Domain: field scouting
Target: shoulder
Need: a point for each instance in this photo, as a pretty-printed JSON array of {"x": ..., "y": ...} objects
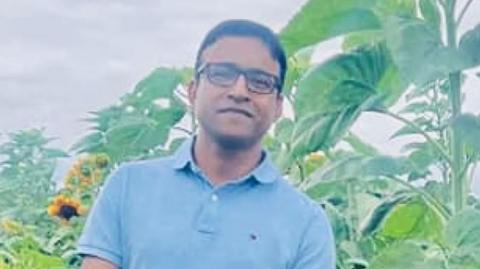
[
  {"x": 145, "y": 168},
  {"x": 148, "y": 165},
  {"x": 135, "y": 173}
]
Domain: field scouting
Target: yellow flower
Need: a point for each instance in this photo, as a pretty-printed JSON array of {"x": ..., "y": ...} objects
[
  {"x": 86, "y": 172},
  {"x": 102, "y": 160},
  {"x": 316, "y": 157},
  {"x": 65, "y": 207}
]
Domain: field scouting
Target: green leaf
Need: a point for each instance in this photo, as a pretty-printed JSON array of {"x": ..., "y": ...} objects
[
  {"x": 416, "y": 107},
  {"x": 470, "y": 46},
  {"x": 385, "y": 9},
  {"x": 91, "y": 143},
  {"x": 321, "y": 131},
  {"x": 135, "y": 135},
  {"x": 379, "y": 213},
  {"x": 319, "y": 20},
  {"x": 422, "y": 122},
  {"x": 360, "y": 146},
  {"x": 159, "y": 84},
  {"x": 468, "y": 127},
  {"x": 408, "y": 254},
  {"x": 297, "y": 66},
  {"x": 421, "y": 159},
  {"x": 283, "y": 130},
  {"x": 328, "y": 188},
  {"x": 418, "y": 51},
  {"x": 360, "y": 167},
  {"x": 104, "y": 118},
  {"x": 348, "y": 80},
  {"x": 414, "y": 219},
  {"x": 462, "y": 236},
  {"x": 359, "y": 39},
  {"x": 430, "y": 12}
]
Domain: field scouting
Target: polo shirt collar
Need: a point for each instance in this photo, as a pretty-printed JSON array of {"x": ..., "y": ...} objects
[{"x": 266, "y": 172}]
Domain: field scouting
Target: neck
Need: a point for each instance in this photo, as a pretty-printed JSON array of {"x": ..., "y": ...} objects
[{"x": 222, "y": 164}]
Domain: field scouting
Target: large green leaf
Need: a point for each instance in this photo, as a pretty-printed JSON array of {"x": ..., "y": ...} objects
[
  {"x": 136, "y": 125},
  {"x": 135, "y": 135},
  {"x": 159, "y": 84},
  {"x": 414, "y": 219},
  {"x": 104, "y": 118},
  {"x": 358, "y": 166},
  {"x": 418, "y": 51},
  {"x": 462, "y": 236},
  {"x": 321, "y": 131},
  {"x": 349, "y": 80},
  {"x": 93, "y": 142},
  {"x": 319, "y": 20},
  {"x": 360, "y": 146}
]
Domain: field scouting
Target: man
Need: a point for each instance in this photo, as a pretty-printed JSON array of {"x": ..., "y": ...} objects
[{"x": 218, "y": 202}]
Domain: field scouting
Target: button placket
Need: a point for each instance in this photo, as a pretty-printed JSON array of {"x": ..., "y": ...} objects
[{"x": 208, "y": 216}]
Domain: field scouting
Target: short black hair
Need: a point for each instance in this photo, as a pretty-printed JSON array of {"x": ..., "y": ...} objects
[{"x": 246, "y": 28}]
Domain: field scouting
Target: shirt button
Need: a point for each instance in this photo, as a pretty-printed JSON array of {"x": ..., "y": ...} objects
[{"x": 214, "y": 198}]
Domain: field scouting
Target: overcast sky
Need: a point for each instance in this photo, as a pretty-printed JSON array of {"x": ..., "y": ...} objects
[{"x": 60, "y": 59}]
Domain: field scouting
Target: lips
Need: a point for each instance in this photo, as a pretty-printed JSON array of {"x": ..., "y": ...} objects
[{"x": 236, "y": 110}]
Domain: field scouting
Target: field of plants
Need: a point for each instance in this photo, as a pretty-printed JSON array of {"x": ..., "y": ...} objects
[{"x": 411, "y": 211}]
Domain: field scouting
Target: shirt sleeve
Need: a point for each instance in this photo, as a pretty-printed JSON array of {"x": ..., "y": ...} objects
[
  {"x": 317, "y": 248},
  {"x": 102, "y": 235}
]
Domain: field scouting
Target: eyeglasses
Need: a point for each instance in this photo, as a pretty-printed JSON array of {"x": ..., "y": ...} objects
[{"x": 226, "y": 75}]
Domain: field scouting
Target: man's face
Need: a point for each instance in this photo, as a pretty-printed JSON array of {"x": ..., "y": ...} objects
[{"x": 233, "y": 114}]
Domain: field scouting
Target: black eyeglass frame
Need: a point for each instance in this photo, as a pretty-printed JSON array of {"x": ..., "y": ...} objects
[{"x": 246, "y": 72}]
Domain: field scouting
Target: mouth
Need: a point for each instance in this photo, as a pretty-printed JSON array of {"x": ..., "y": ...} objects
[{"x": 236, "y": 110}]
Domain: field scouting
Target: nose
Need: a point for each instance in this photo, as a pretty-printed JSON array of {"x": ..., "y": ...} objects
[{"x": 239, "y": 90}]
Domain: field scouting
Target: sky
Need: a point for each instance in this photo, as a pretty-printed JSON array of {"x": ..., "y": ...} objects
[{"x": 60, "y": 59}]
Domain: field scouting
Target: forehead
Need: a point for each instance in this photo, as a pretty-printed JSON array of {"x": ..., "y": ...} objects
[{"x": 247, "y": 52}]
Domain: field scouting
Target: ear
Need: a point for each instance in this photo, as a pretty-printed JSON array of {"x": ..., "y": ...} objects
[
  {"x": 278, "y": 106},
  {"x": 192, "y": 92}
]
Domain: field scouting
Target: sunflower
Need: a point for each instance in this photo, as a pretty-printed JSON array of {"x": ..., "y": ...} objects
[
  {"x": 87, "y": 172},
  {"x": 102, "y": 160},
  {"x": 65, "y": 208}
]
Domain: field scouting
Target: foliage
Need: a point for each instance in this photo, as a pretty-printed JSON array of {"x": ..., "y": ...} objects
[{"x": 383, "y": 208}]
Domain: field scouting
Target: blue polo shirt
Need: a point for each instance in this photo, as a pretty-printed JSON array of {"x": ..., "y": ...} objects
[{"x": 164, "y": 213}]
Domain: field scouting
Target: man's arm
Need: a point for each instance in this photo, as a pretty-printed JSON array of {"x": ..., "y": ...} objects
[
  {"x": 317, "y": 249},
  {"x": 102, "y": 233},
  {"x": 90, "y": 262}
]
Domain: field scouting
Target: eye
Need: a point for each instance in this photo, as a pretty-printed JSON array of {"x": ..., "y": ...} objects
[
  {"x": 222, "y": 73},
  {"x": 261, "y": 81}
]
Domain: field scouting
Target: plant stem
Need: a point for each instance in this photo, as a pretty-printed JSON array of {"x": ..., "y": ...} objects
[
  {"x": 456, "y": 148},
  {"x": 190, "y": 133},
  {"x": 301, "y": 170},
  {"x": 352, "y": 212},
  {"x": 462, "y": 13},
  {"x": 472, "y": 173},
  {"x": 415, "y": 126}
]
